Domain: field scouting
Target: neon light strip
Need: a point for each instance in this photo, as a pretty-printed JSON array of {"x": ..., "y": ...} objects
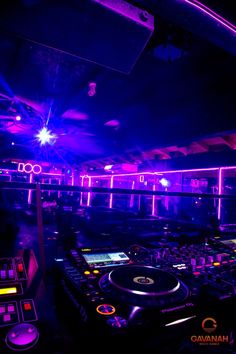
[
  {"x": 131, "y": 203},
  {"x": 227, "y": 167},
  {"x": 155, "y": 173},
  {"x": 73, "y": 179},
  {"x": 179, "y": 321},
  {"x": 212, "y": 14},
  {"x": 111, "y": 195},
  {"x": 6, "y": 291},
  {"x": 30, "y": 190},
  {"x": 89, "y": 193},
  {"x": 153, "y": 201},
  {"x": 123, "y": 174},
  {"x": 219, "y": 192},
  {"x": 81, "y": 194},
  {"x": 52, "y": 174},
  {"x": 191, "y": 170}
]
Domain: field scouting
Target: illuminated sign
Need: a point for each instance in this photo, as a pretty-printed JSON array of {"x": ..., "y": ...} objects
[
  {"x": 29, "y": 168},
  {"x": 209, "y": 325}
]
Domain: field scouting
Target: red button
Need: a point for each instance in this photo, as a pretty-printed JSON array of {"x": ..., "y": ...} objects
[
  {"x": 20, "y": 267},
  {"x": 27, "y": 306}
]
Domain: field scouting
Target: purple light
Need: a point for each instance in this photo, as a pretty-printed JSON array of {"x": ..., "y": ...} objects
[
  {"x": 141, "y": 178},
  {"x": 111, "y": 195},
  {"x": 158, "y": 173},
  {"x": 212, "y": 14},
  {"x": 29, "y": 168},
  {"x": 153, "y": 201},
  {"x": 89, "y": 193},
  {"x": 44, "y": 136},
  {"x": 219, "y": 192}
]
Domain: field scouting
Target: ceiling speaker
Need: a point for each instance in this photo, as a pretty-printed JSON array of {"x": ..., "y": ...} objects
[{"x": 110, "y": 33}]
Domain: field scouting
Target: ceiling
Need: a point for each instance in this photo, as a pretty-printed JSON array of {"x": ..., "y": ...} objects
[{"x": 108, "y": 106}]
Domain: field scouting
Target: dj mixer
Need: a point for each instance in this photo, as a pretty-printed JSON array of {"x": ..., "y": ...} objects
[{"x": 163, "y": 285}]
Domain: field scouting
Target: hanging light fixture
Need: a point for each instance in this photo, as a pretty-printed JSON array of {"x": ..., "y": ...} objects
[{"x": 45, "y": 136}]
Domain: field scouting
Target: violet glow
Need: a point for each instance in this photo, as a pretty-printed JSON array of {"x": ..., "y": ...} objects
[
  {"x": 111, "y": 195},
  {"x": 212, "y": 14},
  {"x": 219, "y": 192},
  {"x": 131, "y": 203},
  {"x": 29, "y": 168},
  {"x": 30, "y": 190},
  {"x": 153, "y": 201},
  {"x": 89, "y": 193},
  {"x": 158, "y": 172}
]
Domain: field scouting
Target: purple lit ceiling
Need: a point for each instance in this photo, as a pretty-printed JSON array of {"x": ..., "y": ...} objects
[{"x": 180, "y": 88}]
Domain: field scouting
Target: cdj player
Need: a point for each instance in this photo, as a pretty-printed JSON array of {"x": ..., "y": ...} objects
[{"x": 163, "y": 285}]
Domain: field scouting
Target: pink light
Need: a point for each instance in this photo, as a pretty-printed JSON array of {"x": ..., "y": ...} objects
[
  {"x": 111, "y": 195},
  {"x": 124, "y": 174},
  {"x": 141, "y": 179},
  {"x": 131, "y": 204},
  {"x": 89, "y": 193},
  {"x": 219, "y": 192},
  {"x": 190, "y": 170},
  {"x": 53, "y": 174},
  {"x": 29, "y": 168},
  {"x": 212, "y": 14},
  {"x": 81, "y": 194},
  {"x": 153, "y": 201},
  {"x": 30, "y": 190},
  {"x": 158, "y": 172}
]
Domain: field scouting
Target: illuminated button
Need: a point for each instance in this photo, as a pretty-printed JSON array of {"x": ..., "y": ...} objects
[
  {"x": 6, "y": 317},
  {"x": 96, "y": 271},
  {"x": 105, "y": 309},
  {"x": 10, "y": 308},
  {"x": 11, "y": 273},
  {"x": 27, "y": 306},
  {"x": 86, "y": 272},
  {"x": 216, "y": 264},
  {"x": 20, "y": 267},
  {"x": 3, "y": 274},
  {"x": 2, "y": 309},
  {"x": 196, "y": 273},
  {"x": 117, "y": 322}
]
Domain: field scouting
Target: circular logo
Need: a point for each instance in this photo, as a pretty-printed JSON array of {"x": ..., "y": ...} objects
[
  {"x": 143, "y": 280},
  {"x": 209, "y": 324}
]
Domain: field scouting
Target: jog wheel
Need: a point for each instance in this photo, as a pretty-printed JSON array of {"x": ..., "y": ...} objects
[{"x": 144, "y": 286}]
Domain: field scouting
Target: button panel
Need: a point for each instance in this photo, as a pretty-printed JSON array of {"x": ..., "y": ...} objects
[
  {"x": 28, "y": 310},
  {"x": 9, "y": 313}
]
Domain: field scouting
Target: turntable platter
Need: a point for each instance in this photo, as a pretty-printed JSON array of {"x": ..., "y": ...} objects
[{"x": 143, "y": 286}]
